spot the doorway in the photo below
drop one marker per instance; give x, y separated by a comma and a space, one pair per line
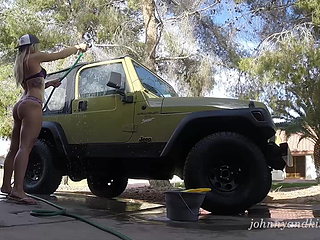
298, 170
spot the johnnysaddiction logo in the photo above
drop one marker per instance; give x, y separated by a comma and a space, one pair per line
262, 224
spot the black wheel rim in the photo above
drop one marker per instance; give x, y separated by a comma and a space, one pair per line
34, 171
225, 178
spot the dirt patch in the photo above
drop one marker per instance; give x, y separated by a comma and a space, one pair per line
145, 193
307, 195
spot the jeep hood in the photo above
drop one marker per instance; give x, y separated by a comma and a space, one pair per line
193, 104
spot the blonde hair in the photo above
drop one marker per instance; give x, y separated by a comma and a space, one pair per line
21, 59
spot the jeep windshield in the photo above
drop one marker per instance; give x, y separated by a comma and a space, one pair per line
153, 83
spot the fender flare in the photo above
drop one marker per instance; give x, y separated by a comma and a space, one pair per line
220, 120
57, 136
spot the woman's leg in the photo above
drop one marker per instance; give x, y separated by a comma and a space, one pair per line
31, 114
14, 146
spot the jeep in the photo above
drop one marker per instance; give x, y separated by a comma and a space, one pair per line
115, 119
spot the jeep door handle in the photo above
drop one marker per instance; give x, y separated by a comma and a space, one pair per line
83, 105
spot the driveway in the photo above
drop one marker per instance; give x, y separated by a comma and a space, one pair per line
143, 220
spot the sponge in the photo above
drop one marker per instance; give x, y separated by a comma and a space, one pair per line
198, 190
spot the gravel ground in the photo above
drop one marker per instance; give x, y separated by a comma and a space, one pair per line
305, 195
146, 193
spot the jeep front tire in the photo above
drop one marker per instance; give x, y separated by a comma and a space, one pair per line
233, 167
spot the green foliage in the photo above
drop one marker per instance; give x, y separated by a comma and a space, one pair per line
20, 18
294, 65
310, 7
134, 4
280, 185
13, 26
63, 23
199, 75
8, 96
189, 39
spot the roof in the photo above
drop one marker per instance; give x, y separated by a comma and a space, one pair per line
85, 63
297, 146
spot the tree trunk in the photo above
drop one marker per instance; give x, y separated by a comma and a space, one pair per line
150, 23
65, 180
151, 28
316, 157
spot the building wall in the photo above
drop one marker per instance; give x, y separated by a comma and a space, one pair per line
310, 168
310, 171
298, 147
278, 175
4, 146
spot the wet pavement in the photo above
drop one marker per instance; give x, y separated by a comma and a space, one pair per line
143, 220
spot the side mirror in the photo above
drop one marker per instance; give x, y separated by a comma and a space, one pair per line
115, 80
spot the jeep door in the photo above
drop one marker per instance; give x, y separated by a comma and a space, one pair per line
100, 114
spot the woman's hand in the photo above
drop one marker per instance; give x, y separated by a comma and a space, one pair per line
53, 83
82, 47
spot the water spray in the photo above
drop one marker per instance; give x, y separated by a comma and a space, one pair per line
88, 38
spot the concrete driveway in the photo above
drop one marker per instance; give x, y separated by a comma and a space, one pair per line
142, 220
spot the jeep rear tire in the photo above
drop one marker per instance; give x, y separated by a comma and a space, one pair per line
42, 176
107, 186
233, 167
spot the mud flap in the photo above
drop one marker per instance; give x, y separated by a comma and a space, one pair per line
278, 156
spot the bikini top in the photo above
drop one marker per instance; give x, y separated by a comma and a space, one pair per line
42, 73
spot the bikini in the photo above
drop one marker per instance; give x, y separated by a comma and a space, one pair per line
43, 74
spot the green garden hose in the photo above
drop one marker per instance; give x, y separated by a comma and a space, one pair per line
63, 212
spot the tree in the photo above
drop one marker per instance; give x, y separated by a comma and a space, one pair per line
8, 96
193, 45
177, 38
310, 9
290, 61
284, 70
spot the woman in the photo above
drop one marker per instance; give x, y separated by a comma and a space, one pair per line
27, 112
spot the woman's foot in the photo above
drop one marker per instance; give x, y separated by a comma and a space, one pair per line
25, 200
21, 198
6, 190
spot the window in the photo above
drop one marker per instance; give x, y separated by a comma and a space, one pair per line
58, 99
153, 83
93, 81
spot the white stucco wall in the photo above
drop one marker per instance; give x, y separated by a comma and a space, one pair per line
310, 168
4, 146
278, 175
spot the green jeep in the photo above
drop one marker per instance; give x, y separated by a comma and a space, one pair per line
113, 120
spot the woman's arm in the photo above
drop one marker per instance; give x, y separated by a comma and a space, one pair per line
48, 57
53, 83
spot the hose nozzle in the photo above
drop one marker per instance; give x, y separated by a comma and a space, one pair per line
88, 38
